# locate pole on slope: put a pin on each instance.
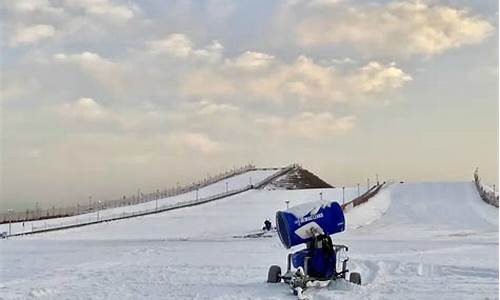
(157, 197)
(343, 195)
(226, 186)
(321, 196)
(367, 184)
(98, 209)
(358, 190)
(196, 194)
(376, 176)
(90, 202)
(10, 220)
(287, 202)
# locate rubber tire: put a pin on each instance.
(274, 274)
(355, 278)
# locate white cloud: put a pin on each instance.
(399, 28)
(155, 124)
(207, 107)
(85, 109)
(71, 22)
(32, 34)
(303, 79)
(314, 3)
(345, 60)
(207, 82)
(29, 6)
(325, 2)
(104, 8)
(179, 45)
(195, 141)
(375, 77)
(309, 125)
(106, 72)
(175, 44)
(87, 60)
(251, 60)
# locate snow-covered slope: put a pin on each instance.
(423, 210)
(220, 219)
(230, 184)
(436, 240)
(412, 241)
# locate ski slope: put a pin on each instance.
(220, 219)
(436, 240)
(233, 183)
(411, 241)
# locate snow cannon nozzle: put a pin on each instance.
(300, 224)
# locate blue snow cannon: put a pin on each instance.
(312, 224)
(298, 224)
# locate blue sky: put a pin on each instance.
(101, 97)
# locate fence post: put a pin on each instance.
(343, 195)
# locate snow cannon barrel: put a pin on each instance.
(299, 224)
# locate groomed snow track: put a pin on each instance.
(436, 240)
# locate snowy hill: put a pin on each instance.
(412, 240)
(298, 178)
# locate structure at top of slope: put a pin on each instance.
(297, 178)
(487, 193)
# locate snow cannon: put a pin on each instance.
(321, 262)
(300, 224)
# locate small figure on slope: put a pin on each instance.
(267, 225)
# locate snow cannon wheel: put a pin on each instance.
(274, 274)
(355, 278)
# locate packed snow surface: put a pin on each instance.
(411, 241)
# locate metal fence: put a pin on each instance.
(372, 191)
(93, 204)
(95, 218)
(487, 194)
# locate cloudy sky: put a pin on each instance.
(101, 97)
